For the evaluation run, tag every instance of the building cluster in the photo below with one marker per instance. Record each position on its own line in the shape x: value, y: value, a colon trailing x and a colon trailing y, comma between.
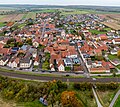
x: 69, y: 41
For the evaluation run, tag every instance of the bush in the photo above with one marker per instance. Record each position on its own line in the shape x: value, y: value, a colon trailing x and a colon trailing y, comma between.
x: 82, y: 86
x: 22, y: 91
x: 107, y: 86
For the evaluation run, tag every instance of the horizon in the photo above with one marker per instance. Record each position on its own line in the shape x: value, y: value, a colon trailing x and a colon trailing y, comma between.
x: 64, y: 5
x: 62, y: 2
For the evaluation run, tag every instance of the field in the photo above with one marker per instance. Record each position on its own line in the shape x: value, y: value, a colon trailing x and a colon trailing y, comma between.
x: 17, y: 17
x: 96, y: 32
x: 66, y: 12
x: 106, y: 97
x: 30, y: 104
x: 2, y: 24
x: 86, y: 98
x: 117, y: 103
x: 112, y: 57
x: 113, y: 20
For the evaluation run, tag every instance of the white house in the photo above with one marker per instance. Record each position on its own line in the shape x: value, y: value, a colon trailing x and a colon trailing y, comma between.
x: 25, y: 63
x: 61, y: 66
x: 4, y: 60
x: 52, y: 67
x: 116, y: 41
x: 114, y: 51
x: 36, y: 62
x: 35, y: 44
x: 13, y: 63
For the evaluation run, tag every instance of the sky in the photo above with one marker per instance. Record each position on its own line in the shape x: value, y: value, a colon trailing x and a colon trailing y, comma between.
x: 64, y: 2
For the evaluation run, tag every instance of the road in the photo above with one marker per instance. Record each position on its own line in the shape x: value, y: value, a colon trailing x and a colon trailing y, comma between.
x: 44, y: 27
x: 96, y: 98
x: 114, y: 99
x: 50, y: 78
x: 83, y: 63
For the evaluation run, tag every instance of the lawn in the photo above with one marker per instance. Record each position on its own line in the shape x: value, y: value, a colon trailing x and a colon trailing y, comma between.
x: 117, y: 103
x: 112, y: 57
x: 87, y: 98
x: 107, y: 29
x: 106, y: 97
x: 118, y: 66
x: 2, y: 24
x: 97, y: 32
x: 31, y: 104
x: 22, y: 25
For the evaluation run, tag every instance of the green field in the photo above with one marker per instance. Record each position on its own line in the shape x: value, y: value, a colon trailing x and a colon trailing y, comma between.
x: 96, y: 32
x: 117, y: 103
x: 74, y: 12
x: 31, y: 15
x: 2, y: 24
x: 112, y: 57
x: 46, y: 10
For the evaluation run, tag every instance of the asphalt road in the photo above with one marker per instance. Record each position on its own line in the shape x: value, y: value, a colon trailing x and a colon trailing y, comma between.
x: 64, y: 79
x: 83, y: 63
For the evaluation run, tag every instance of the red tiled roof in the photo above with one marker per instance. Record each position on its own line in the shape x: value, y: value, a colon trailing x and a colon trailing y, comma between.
x: 117, y: 40
x: 37, y: 58
x: 4, y: 51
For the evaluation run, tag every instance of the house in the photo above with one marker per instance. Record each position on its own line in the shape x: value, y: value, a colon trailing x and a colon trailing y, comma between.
x: 36, y: 43
x: 89, y: 63
x: 4, y: 60
x: 13, y: 63
x: 103, y: 37
x: 99, y: 70
x: 116, y: 41
x: 68, y: 62
x: 97, y: 64
x: 76, y: 60
x: 98, y: 52
x: 25, y: 63
x: 4, y: 51
x: 113, y: 51
x: 107, y: 65
x: 14, y: 49
x: 52, y: 67
x: 61, y: 66
x: 115, y: 62
x: 36, y: 61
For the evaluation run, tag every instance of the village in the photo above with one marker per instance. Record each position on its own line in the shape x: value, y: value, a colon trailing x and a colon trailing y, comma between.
x: 53, y: 42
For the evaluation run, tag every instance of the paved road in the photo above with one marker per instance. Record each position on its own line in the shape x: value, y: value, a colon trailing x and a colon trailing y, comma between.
x: 96, y: 98
x: 64, y: 79
x: 114, y: 99
x: 83, y: 63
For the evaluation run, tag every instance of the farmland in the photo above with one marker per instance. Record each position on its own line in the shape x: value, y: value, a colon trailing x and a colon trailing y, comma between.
x: 17, y: 17
x: 113, y: 20
x: 66, y: 12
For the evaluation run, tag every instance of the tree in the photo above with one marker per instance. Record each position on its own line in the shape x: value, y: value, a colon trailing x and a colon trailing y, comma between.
x: 118, y: 54
x: 69, y: 99
x: 114, y: 74
x: 29, y: 41
x: 45, y: 65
